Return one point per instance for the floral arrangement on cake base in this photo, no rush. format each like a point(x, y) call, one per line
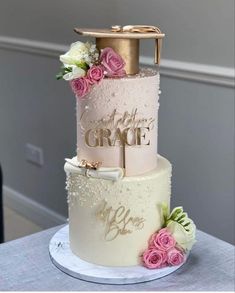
point(84, 66)
point(169, 245)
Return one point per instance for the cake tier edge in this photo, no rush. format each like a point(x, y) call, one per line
point(110, 222)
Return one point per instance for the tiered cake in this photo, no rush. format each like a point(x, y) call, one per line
point(118, 187)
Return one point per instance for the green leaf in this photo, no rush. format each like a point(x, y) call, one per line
point(67, 69)
point(187, 224)
point(181, 221)
point(165, 212)
point(59, 76)
point(176, 212)
point(63, 71)
point(182, 216)
point(82, 65)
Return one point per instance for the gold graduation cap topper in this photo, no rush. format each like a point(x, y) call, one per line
point(125, 41)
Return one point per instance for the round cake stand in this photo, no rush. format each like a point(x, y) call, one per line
point(66, 261)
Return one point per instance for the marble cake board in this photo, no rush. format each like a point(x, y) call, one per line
point(63, 258)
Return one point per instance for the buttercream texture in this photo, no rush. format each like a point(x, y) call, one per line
point(110, 222)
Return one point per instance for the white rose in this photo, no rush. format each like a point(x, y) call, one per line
point(77, 53)
point(76, 73)
point(184, 236)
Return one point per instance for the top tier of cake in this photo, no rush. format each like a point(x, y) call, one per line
point(117, 123)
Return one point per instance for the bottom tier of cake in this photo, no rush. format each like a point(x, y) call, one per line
point(110, 222)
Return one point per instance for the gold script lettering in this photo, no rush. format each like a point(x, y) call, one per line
point(128, 136)
point(118, 137)
point(116, 120)
point(95, 139)
point(125, 136)
point(140, 135)
point(118, 221)
point(105, 133)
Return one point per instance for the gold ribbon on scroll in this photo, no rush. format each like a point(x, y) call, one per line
point(89, 165)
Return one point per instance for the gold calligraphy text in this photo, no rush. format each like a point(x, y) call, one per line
point(118, 221)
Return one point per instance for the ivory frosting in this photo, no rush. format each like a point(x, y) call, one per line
point(129, 94)
point(100, 236)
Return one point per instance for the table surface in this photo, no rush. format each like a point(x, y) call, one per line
point(25, 265)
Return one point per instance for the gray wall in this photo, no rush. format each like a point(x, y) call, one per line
point(196, 133)
point(196, 119)
point(197, 31)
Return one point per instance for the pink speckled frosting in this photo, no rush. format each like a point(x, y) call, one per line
point(121, 95)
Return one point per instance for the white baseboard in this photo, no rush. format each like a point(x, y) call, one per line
point(34, 211)
point(206, 73)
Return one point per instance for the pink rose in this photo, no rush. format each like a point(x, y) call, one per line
point(152, 241)
point(95, 74)
point(112, 62)
point(154, 259)
point(120, 73)
point(80, 86)
point(163, 239)
point(175, 257)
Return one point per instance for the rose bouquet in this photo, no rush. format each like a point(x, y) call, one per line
point(84, 66)
point(169, 245)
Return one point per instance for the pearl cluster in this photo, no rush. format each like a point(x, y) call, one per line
point(79, 190)
point(89, 192)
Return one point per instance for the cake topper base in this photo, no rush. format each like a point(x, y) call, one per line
point(66, 261)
